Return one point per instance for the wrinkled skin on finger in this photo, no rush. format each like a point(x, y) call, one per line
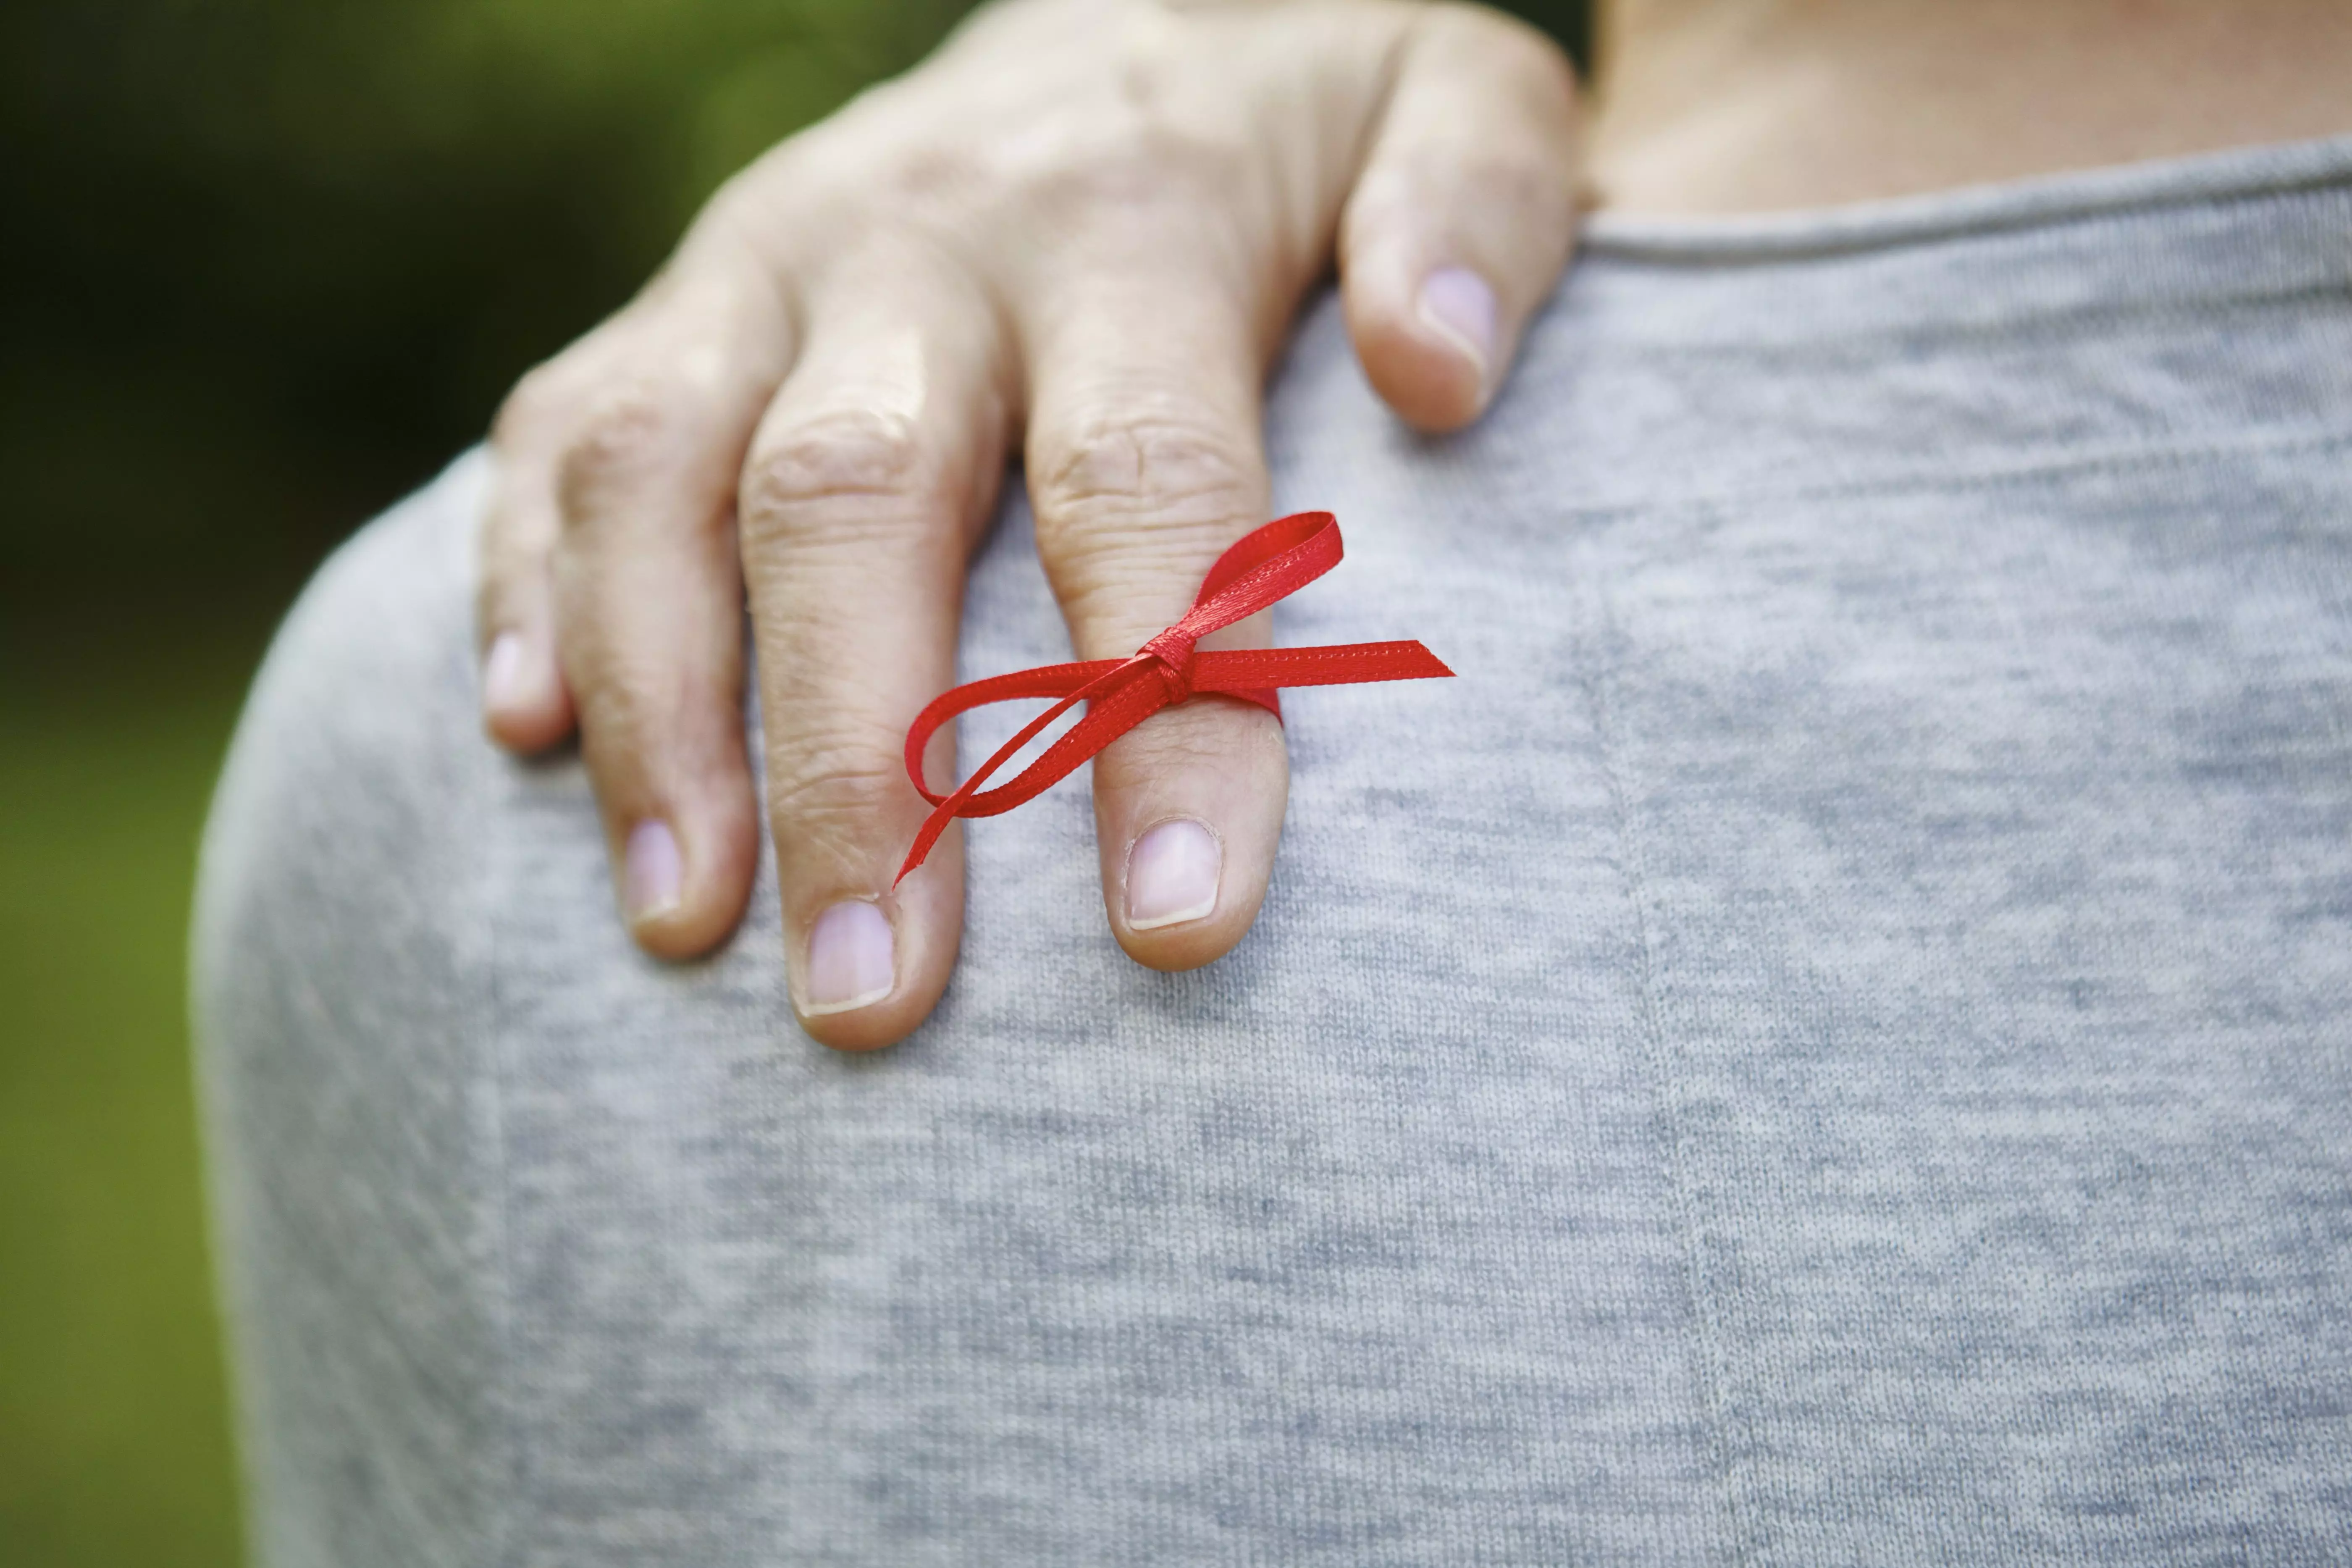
point(1081, 230)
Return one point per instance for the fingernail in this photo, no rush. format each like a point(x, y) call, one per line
point(1457, 302)
point(1171, 875)
point(656, 873)
point(502, 673)
point(849, 958)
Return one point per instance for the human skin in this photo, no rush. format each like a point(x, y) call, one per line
point(1080, 229)
point(1080, 232)
point(1730, 106)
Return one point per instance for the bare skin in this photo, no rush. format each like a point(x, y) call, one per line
point(1079, 233)
point(1737, 106)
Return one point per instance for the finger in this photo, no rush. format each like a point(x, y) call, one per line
point(648, 600)
point(868, 478)
point(1144, 462)
point(1464, 215)
point(525, 705)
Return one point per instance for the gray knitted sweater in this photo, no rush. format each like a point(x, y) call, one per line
point(1831, 1043)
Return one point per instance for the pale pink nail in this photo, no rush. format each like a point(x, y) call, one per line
point(1171, 875)
point(656, 873)
point(502, 673)
point(849, 959)
point(1457, 302)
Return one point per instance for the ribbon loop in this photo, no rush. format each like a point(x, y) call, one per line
point(1267, 564)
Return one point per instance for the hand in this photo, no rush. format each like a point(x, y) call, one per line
point(1085, 225)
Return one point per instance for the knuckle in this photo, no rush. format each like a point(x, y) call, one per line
point(822, 466)
point(1124, 508)
point(1145, 163)
point(833, 784)
point(1540, 66)
point(1165, 467)
point(932, 176)
point(1502, 39)
point(529, 407)
point(624, 435)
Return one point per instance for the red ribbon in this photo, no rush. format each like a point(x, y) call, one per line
point(1269, 564)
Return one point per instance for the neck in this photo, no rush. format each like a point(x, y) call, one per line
point(1722, 106)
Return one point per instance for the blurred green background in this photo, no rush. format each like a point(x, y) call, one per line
point(268, 264)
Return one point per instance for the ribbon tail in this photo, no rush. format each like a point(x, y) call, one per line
point(1348, 664)
point(925, 838)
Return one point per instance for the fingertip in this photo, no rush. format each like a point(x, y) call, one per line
point(873, 1026)
point(1173, 872)
point(683, 887)
point(526, 707)
point(1463, 214)
point(1456, 308)
point(849, 978)
point(870, 968)
point(653, 874)
point(1189, 819)
point(1430, 345)
point(1177, 909)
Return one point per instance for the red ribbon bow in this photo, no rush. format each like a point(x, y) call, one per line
point(1269, 564)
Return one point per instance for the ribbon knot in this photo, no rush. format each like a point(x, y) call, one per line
point(1174, 651)
point(1269, 564)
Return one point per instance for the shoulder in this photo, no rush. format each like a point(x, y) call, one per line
point(341, 820)
point(343, 992)
point(345, 785)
